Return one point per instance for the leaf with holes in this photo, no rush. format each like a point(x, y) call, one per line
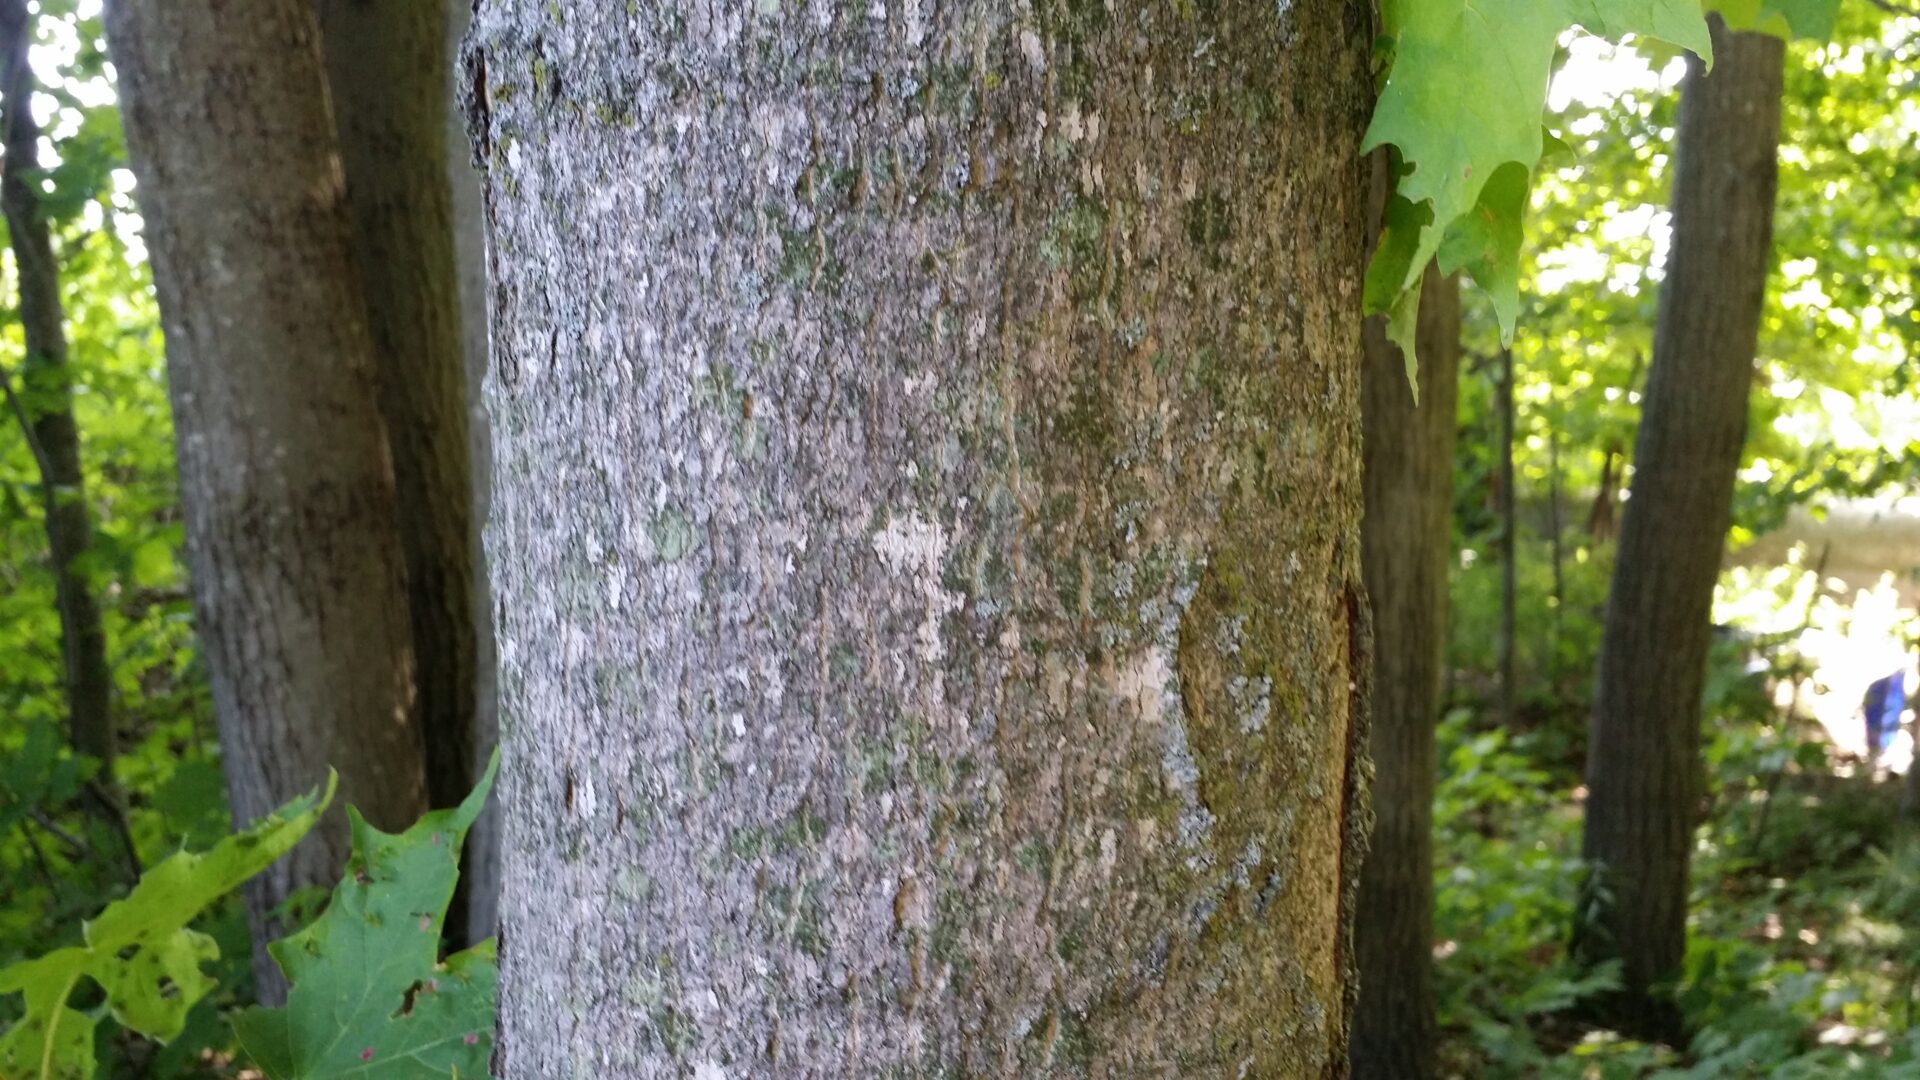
point(140, 951)
point(371, 996)
point(1462, 104)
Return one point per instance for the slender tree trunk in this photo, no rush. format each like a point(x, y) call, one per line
point(285, 475)
point(1600, 519)
point(43, 403)
point(481, 875)
point(1407, 537)
point(925, 534)
point(1506, 644)
point(386, 64)
point(1643, 762)
point(1556, 537)
point(1601, 524)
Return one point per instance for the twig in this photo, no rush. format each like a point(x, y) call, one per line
point(26, 428)
point(1892, 8)
point(116, 816)
point(40, 857)
point(74, 845)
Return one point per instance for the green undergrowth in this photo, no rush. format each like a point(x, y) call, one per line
point(1804, 942)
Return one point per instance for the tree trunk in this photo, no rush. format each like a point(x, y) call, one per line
point(387, 72)
point(285, 474)
point(1644, 756)
point(1407, 536)
point(1556, 534)
point(925, 535)
point(44, 407)
point(1506, 643)
point(480, 876)
point(1600, 519)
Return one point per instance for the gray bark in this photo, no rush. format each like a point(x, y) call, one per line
point(1407, 537)
point(924, 535)
point(1643, 758)
point(286, 480)
point(43, 404)
point(388, 83)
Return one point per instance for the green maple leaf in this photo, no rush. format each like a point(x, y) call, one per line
point(1811, 19)
point(140, 951)
point(1462, 104)
point(370, 995)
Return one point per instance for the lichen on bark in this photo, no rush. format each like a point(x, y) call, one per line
point(924, 535)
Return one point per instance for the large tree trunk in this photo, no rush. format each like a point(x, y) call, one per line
point(285, 475)
point(1407, 536)
point(43, 402)
point(480, 876)
point(1644, 749)
point(925, 535)
point(387, 68)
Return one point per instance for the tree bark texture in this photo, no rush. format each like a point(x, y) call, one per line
point(285, 475)
point(44, 403)
point(1407, 536)
point(925, 535)
point(480, 877)
point(387, 75)
point(1506, 646)
point(1644, 748)
point(390, 102)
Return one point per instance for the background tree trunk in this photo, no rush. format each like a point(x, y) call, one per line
point(285, 476)
point(1506, 643)
point(1407, 537)
point(388, 82)
point(1644, 753)
point(1556, 538)
point(44, 405)
point(481, 875)
point(925, 535)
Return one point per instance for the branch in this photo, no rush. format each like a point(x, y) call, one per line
point(76, 848)
point(1892, 8)
point(26, 427)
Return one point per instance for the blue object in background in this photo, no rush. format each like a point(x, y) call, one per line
point(1886, 700)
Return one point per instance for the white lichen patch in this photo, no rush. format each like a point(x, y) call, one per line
point(916, 20)
point(909, 544)
point(1196, 828)
point(1249, 861)
point(1141, 686)
point(1177, 766)
point(916, 549)
point(1252, 697)
point(1033, 50)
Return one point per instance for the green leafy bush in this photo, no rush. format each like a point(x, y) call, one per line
point(370, 995)
point(140, 952)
